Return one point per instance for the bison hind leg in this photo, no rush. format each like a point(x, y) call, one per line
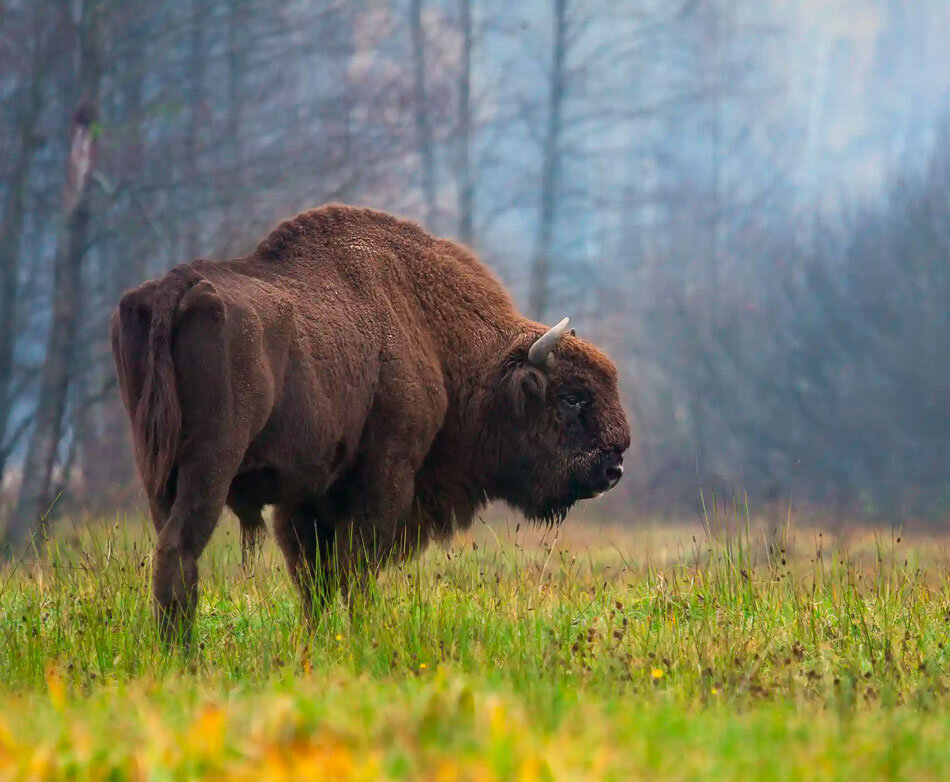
point(305, 534)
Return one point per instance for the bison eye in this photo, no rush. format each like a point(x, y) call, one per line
point(572, 401)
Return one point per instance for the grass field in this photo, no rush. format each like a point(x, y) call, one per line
point(723, 650)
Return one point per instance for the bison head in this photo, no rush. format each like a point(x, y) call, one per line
point(557, 427)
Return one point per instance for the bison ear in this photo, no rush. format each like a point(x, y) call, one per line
point(526, 387)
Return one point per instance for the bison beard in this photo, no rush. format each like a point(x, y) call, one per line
point(373, 383)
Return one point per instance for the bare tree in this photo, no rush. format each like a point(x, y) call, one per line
point(550, 167)
point(58, 366)
point(29, 104)
point(423, 125)
point(466, 195)
point(197, 65)
point(237, 54)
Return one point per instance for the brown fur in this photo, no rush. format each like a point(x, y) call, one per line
point(368, 380)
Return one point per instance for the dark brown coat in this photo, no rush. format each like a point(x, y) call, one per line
point(368, 380)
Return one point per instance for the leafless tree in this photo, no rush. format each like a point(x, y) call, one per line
point(550, 166)
point(466, 204)
point(423, 126)
point(28, 105)
point(34, 499)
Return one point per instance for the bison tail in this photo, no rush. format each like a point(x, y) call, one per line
point(156, 420)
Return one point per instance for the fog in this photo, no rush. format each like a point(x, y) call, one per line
point(746, 203)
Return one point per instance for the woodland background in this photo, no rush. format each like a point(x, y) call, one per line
point(747, 203)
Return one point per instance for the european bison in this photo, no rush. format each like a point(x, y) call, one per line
point(373, 383)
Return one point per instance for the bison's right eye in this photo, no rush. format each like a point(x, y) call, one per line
point(570, 405)
point(572, 401)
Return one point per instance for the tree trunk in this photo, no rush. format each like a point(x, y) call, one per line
point(550, 171)
point(423, 126)
point(466, 204)
point(235, 234)
point(11, 231)
point(708, 328)
point(196, 81)
point(713, 87)
point(29, 520)
point(101, 448)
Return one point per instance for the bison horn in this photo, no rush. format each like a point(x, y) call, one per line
point(540, 351)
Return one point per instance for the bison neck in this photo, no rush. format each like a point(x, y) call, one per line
point(461, 472)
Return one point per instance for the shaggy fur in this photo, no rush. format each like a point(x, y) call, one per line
point(368, 380)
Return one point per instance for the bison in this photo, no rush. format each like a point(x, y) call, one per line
point(371, 382)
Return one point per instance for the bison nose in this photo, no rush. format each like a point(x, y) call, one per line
point(613, 470)
point(613, 474)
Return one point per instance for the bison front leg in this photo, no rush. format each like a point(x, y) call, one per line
point(339, 544)
point(362, 524)
point(305, 537)
point(378, 530)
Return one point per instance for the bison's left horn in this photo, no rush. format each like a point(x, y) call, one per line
point(540, 351)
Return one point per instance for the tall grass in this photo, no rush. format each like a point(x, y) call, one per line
point(577, 651)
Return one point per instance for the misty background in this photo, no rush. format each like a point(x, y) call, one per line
point(746, 203)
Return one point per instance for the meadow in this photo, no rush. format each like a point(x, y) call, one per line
point(728, 647)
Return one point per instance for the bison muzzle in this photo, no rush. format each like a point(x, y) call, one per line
point(373, 383)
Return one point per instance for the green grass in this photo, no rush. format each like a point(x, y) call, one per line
point(598, 652)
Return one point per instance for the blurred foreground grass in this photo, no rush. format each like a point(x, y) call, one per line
point(727, 649)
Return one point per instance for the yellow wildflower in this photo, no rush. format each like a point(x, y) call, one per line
point(57, 690)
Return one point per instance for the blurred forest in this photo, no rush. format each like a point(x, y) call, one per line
point(747, 203)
